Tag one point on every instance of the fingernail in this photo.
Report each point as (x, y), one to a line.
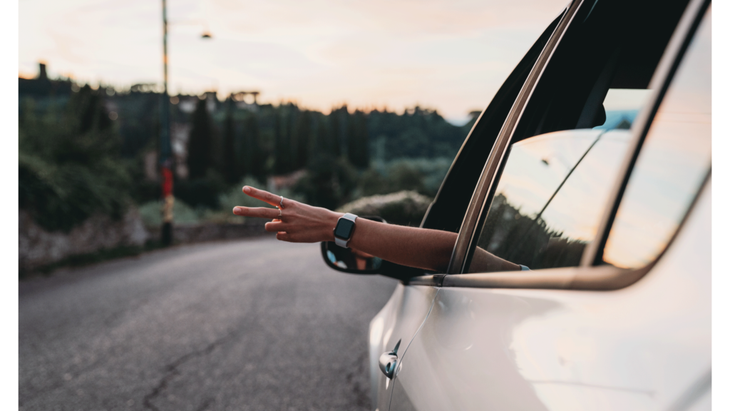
(246, 189)
(236, 209)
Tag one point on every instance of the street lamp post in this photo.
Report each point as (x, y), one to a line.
(165, 156)
(166, 160)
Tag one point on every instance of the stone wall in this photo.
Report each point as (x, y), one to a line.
(38, 247)
(195, 233)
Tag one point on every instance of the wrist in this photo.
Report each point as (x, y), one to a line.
(330, 224)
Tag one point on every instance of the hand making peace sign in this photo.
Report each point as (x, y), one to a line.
(292, 221)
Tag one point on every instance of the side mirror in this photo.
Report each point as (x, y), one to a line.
(356, 262)
(348, 260)
(351, 261)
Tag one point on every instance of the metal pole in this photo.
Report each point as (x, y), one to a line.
(165, 155)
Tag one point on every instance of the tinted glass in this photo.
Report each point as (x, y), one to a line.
(550, 197)
(672, 164)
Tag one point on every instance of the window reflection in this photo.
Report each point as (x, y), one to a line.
(671, 166)
(550, 197)
(622, 106)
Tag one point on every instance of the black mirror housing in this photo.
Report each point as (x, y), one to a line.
(344, 260)
(349, 261)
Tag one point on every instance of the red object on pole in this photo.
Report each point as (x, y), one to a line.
(166, 182)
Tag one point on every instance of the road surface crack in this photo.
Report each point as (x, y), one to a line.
(172, 371)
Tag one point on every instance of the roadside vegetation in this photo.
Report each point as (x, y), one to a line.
(85, 150)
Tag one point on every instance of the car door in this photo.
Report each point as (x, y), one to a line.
(613, 222)
(398, 322)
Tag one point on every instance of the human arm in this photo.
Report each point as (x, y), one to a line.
(410, 246)
(485, 262)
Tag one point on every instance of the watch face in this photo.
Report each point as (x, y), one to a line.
(344, 227)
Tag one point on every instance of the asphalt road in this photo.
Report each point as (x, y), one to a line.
(244, 325)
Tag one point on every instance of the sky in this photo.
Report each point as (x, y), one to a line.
(448, 55)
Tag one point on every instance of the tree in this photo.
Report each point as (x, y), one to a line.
(87, 111)
(282, 146)
(70, 165)
(328, 182)
(253, 155)
(358, 146)
(230, 170)
(300, 139)
(322, 144)
(338, 119)
(199, 142)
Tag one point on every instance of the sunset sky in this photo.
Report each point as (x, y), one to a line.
(447, 55)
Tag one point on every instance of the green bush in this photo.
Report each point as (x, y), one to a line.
(403, 207)
(201, 192)
(423, 175)
(328, 182)
(69, 164)
(151, 213)
(234, 196)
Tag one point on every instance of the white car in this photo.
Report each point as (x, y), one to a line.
(591, 167)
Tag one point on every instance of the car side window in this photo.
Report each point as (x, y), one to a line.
(672, 165)
(549, 200)
(553, 188)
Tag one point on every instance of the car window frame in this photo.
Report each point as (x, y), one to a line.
(450, 200)
(590, 274)
(496, 156)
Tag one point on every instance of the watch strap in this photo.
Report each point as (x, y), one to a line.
(341, 242)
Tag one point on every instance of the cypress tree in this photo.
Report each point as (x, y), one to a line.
(336, 124)
(254, 161)
(358, 146)
(199, 142)
(321, 144)
(280, 148)
(289, 149)
(300, 139)
(229, 153)
(88, 110)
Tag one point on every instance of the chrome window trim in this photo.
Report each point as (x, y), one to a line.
(496, 156)
(589, 275)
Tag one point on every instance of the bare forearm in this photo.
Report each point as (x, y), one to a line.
(485, 262)
(410, 246)
(419, 247)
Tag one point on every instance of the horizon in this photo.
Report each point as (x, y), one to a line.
(223, 98)
(449, 57)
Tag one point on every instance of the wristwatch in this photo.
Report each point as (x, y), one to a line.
(344, 229)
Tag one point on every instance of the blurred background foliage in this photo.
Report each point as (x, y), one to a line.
(85, 150)
(70, 163)
(403, 207)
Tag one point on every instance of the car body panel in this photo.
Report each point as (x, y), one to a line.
(638, 348)
(619, 339)
(398, 321)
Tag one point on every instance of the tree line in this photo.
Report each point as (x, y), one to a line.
(340, 155)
